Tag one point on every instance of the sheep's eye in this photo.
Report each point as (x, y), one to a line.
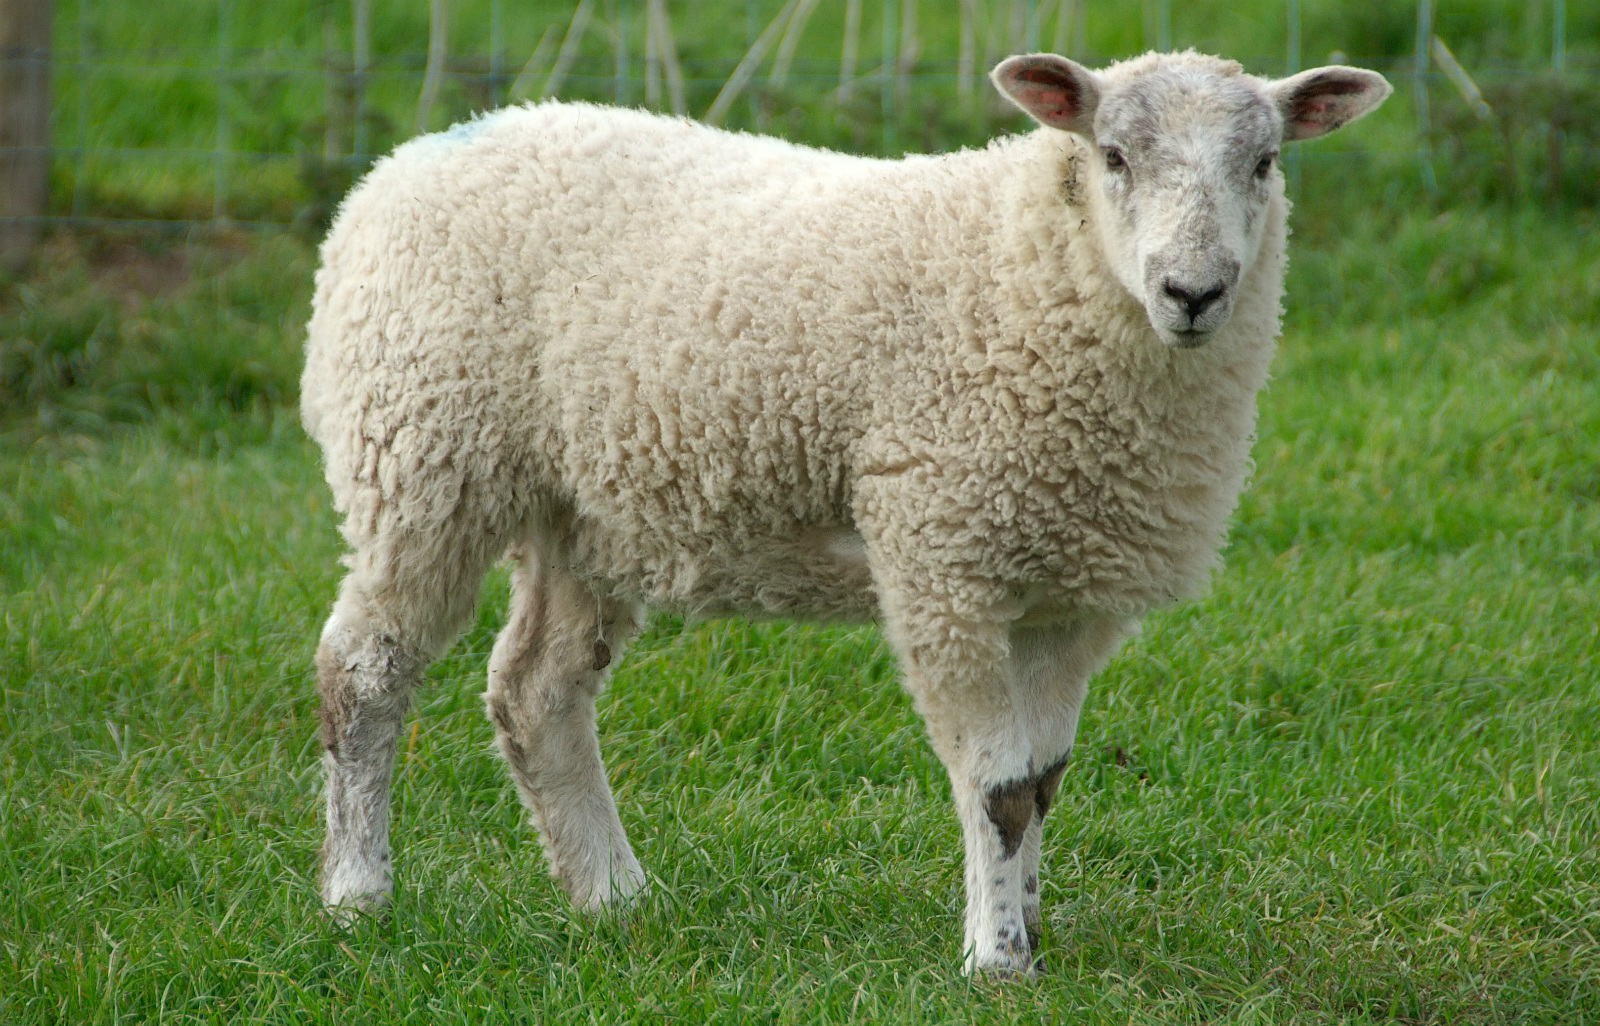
(1265, 165)
(1114, 159)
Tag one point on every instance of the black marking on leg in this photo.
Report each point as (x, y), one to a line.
(1046, 784)
(1030, 885)
(1010, 809)
(1033, 939)
(1012, 944)
(602, 655)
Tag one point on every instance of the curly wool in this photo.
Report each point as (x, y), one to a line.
(711, 365)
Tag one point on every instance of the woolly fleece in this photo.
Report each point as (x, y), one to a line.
(706, 358)
(664, 365)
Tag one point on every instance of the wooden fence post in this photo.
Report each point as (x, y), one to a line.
(617, 16)
(24, 126)
(669, 59)
(852, 44)
(886, 71)
(80, 154)
(332, 90)
(1292, 66)
(497, 53)
(746, 68)
(906, 62)
(790, 43)
(967, 54)
(1558, 36)
(221, 155)
(1066, 13)
(569, 48)
(360, 58)
(1419, 72)
(438, 49)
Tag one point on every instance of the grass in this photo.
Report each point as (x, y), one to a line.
(1355, 784)
(141, 105)
(111, 330)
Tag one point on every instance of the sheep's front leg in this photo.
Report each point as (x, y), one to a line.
(547, 667)
(953, 649)
(995, 816)
(1045, 785)
(1051, 665)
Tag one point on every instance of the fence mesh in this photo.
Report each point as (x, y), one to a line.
(256, 118)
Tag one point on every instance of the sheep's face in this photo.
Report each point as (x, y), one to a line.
(1184, 165)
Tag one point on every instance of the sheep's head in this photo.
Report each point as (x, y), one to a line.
(1185, 164)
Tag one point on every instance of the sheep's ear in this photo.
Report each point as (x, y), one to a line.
(1321, 100)
(1053, 90)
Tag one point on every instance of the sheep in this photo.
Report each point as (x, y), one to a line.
(1000, 401)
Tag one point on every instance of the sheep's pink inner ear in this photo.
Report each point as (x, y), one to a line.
(1051, 89)
(1046, 96)
(1321, 100)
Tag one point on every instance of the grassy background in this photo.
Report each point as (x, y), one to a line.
(1357, 783)
(145, 99)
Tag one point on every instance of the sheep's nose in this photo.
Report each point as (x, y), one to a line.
(1193, 300)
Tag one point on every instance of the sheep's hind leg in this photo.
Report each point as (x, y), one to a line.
(548, 666)
(402, 604)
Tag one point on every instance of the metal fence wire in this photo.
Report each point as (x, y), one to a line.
(251, 132)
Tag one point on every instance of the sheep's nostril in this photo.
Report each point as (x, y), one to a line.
(1199, 306)
(1193, 301)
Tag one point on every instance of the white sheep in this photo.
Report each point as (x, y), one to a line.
(999, 400)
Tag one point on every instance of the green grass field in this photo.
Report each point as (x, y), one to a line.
(1359, 782)
(146, 95)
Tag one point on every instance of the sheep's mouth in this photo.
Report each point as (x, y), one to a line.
(1189, 338)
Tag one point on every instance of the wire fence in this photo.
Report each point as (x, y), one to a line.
(246, 133)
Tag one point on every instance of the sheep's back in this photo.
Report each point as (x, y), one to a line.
(627, 321)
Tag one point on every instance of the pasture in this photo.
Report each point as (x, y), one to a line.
(1359, 782)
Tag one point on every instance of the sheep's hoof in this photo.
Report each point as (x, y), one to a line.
(355, 909)
(622, 893)
(1009, 973)
(347, 903)
(1009, 964)
(615, 905)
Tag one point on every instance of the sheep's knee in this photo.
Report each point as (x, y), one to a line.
(549, 665)
(396, 611)
(365, 681)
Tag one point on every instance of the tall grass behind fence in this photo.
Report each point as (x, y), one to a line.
(177, 112)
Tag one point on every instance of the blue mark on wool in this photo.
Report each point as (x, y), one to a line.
(461, 132)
